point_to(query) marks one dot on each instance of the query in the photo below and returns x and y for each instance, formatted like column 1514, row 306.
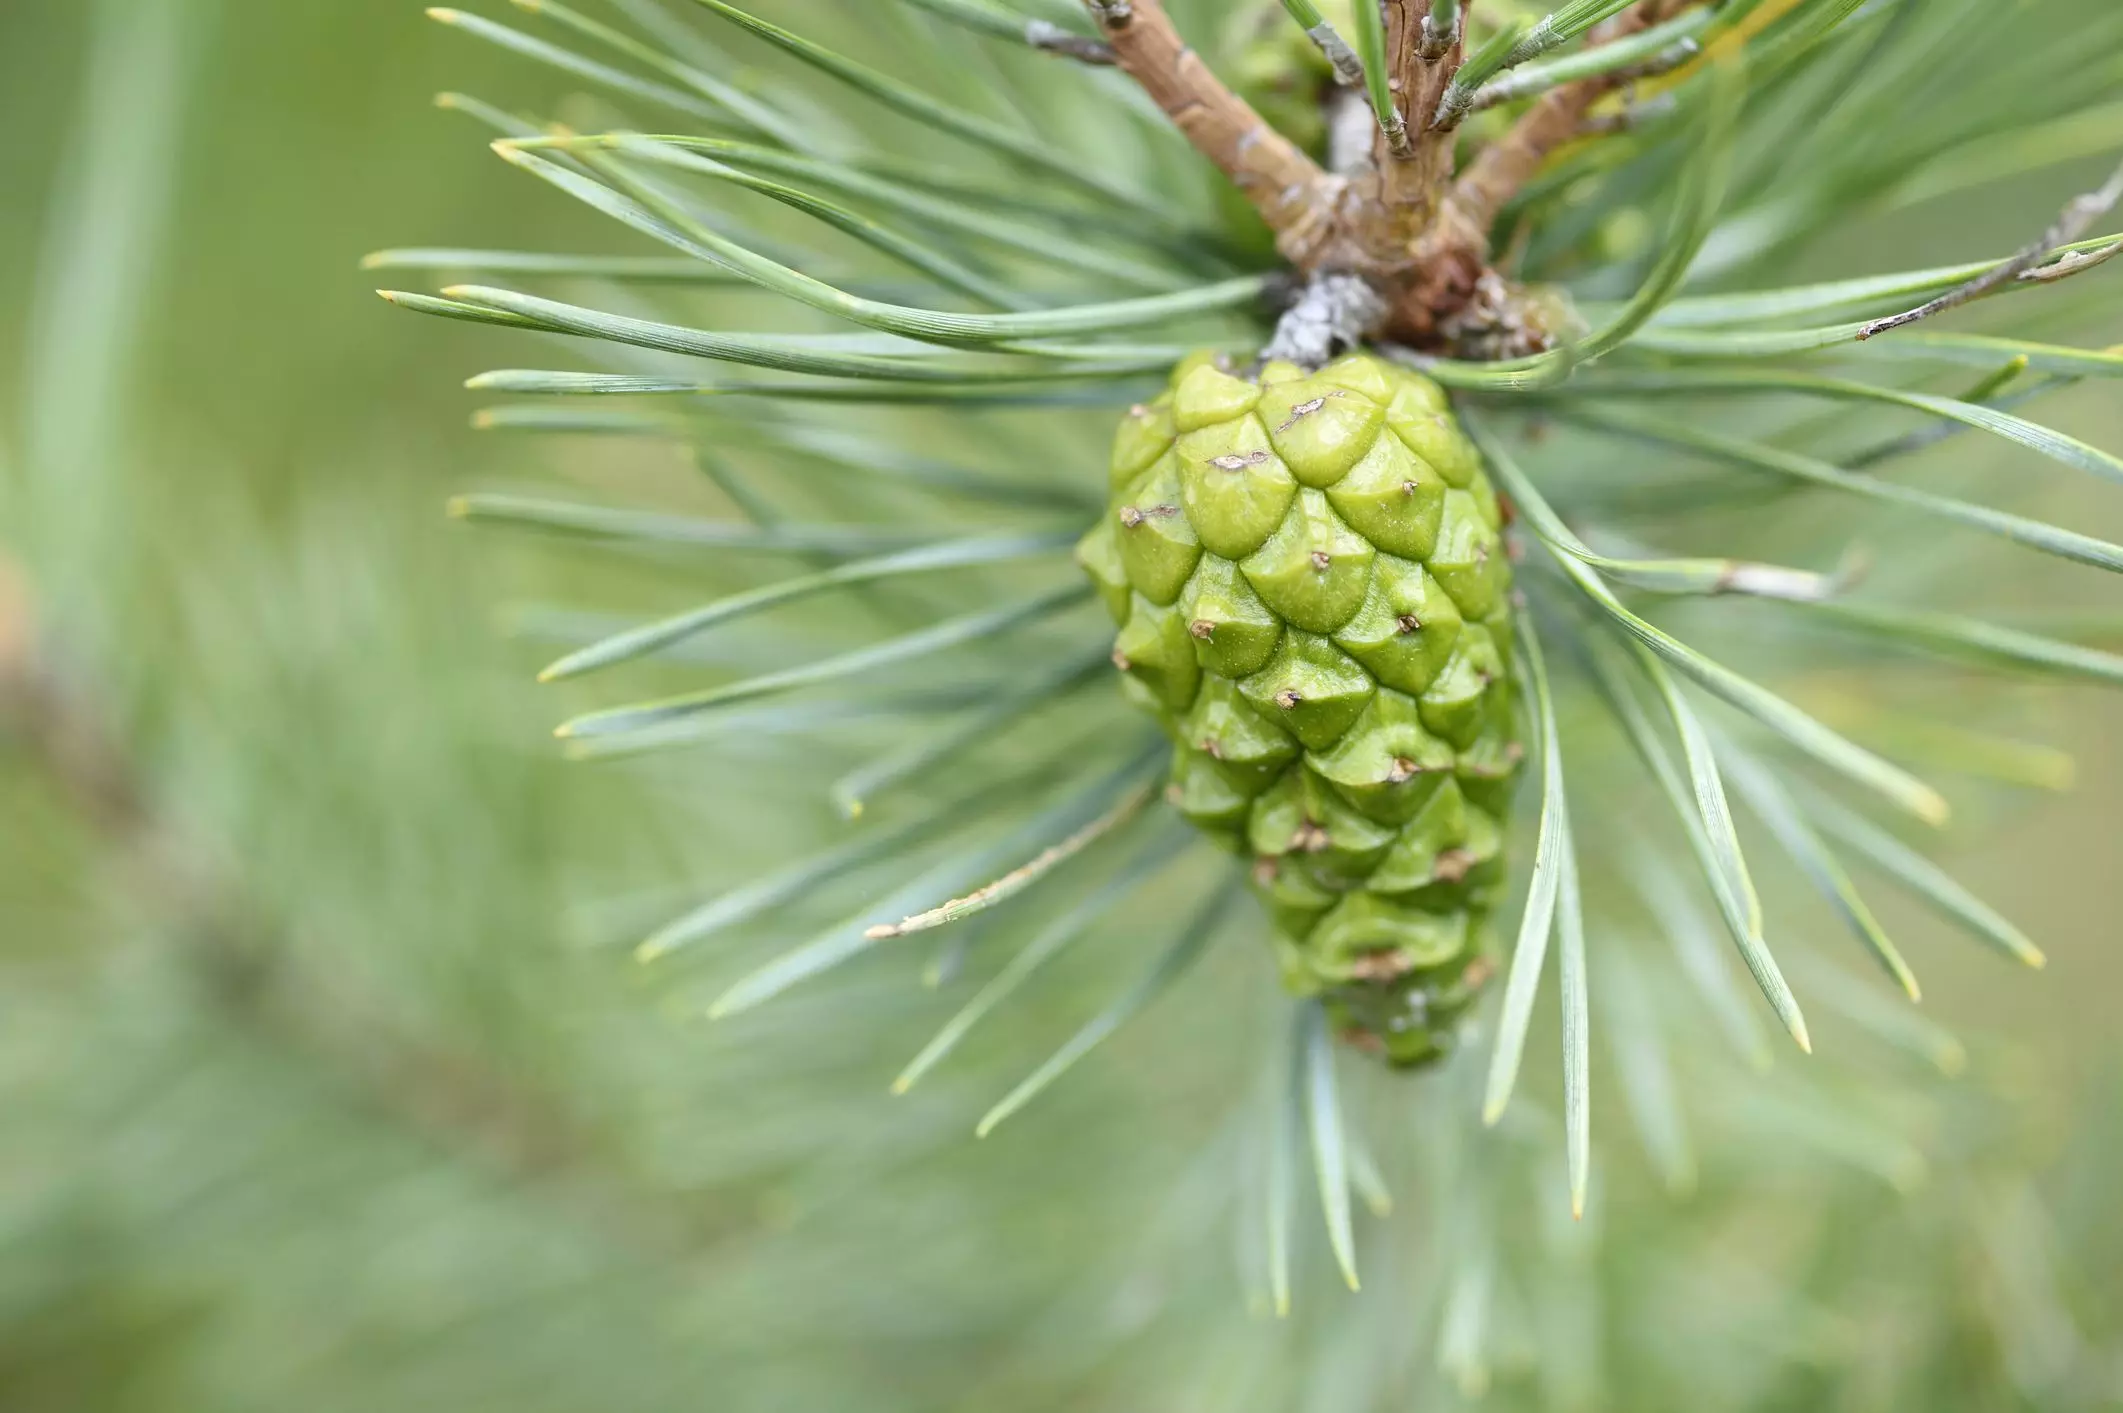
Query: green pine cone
column 1314, row 600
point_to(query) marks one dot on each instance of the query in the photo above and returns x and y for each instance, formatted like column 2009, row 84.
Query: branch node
column 1437, row 40
column 1397, row 141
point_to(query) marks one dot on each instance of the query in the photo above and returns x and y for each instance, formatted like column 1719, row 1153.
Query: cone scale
column 1309, row 580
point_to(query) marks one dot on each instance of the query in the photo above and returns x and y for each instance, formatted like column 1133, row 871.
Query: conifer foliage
column 973, row 236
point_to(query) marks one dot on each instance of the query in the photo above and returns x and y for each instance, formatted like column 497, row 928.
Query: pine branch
column 1293, row 194
column 1505, row 166
column 1382, row 66
column 445, row 1091
column 40, row 710
column 1423, row 63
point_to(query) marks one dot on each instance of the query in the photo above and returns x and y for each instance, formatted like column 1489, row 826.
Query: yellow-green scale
column 1309, row 577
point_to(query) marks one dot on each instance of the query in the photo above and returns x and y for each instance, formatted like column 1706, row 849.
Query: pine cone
column 1313, row 599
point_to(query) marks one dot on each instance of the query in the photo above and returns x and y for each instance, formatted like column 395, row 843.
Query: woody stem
column 1294, row 195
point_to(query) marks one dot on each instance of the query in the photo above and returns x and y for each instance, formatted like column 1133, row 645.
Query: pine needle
column 2079, row 214
column 1045, row 945
column 1177, row 958
column 1772, row 711
column 1323, row 1109
column 1577, row 1028
column 1776, row 810
column 1018, row 879
column 1537, row 922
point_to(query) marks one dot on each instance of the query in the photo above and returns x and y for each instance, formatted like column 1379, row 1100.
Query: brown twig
column 1505, row 166
column 1380, row 223
column 1398, row 221
column 228, row 941
column 1299, row 200
column 2080, row 213
column 38, row 712
column 1412, row 179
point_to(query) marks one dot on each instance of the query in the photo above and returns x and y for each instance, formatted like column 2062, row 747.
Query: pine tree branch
column 450, row 1094
column 1294, row 195
column 1506, row 165
column 38, row 711
column 1384, row 58
column 1412, row 181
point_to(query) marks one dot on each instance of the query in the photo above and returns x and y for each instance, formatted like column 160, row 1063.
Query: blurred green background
column 316, row 1088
